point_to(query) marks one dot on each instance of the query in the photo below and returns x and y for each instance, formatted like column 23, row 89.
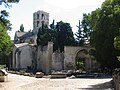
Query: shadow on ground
column 102, row 86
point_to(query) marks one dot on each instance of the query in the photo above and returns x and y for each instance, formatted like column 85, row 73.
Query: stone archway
column 81, row 59
column 77, row 56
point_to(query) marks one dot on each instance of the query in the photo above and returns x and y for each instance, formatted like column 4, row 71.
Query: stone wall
column 23, row 56
column 70, row 54
column 69, row 60
column 57, row 61
column 44, row 58
column 41, row 58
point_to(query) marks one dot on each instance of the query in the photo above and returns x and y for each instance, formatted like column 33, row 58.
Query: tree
column 63, row 36
column 85, row 24
column 5, row 22
column 117, row 44
column 84, row 30
column 4, row 14
column 105, row 23
column 21, row 28
column 52, row 26
column 8, row 1
column 79, row 35
column 5, row 45
column 44, row 35
column 5, row 42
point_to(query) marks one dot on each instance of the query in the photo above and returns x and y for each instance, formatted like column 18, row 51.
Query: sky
column 69, row 11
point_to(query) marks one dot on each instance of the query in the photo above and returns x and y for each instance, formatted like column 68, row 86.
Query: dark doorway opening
column 80, row 63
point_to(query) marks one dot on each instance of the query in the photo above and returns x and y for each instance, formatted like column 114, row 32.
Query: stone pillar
column 49, row 57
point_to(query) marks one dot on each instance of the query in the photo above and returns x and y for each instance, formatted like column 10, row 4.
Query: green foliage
column 4, row 14
column 21, row 28
column 117, row 42
column 5, row 45
column 44, row 35
column 105, row 23
column 63, row 35
column 5, row 42
column 84, row 30
column 80, row 63
column 86, row 27
column 118, row 58
column 2, row 66
column 79, row 35
column 3, row 19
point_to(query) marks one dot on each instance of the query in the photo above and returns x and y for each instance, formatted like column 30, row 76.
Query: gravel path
column 17, row 82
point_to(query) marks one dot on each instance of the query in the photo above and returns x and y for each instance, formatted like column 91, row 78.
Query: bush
column 2, row 66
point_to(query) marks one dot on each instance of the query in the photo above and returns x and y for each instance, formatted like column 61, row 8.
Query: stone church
column 39, row 17
column 26, row 55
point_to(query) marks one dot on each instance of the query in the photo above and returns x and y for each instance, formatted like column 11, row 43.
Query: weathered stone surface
column 58, row 75
column 32, row 75
column 116, row 79
column 38, row 18
column 72, row 53
column 23, row 56
column 39, row 74
column 72, row 77
column 57, row 61
column 70, row 73
column 3, row 76
column 26, row 74
column 44, row 58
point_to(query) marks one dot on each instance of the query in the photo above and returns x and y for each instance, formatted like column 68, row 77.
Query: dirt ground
column 18, row 82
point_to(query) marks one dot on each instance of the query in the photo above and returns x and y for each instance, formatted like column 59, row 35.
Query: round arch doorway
column 81, row 60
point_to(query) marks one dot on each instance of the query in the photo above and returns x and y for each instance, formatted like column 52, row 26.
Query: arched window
column 37, row 23
column 37, row 16
column 42, row 16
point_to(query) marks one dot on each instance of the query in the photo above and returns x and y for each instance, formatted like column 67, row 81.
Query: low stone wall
column 3, row 76
column 116, row 79
column 58, row 74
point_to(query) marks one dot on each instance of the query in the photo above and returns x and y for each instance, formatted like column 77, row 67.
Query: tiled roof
column 28, row 34
column 20, row 34
column 23, row 35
